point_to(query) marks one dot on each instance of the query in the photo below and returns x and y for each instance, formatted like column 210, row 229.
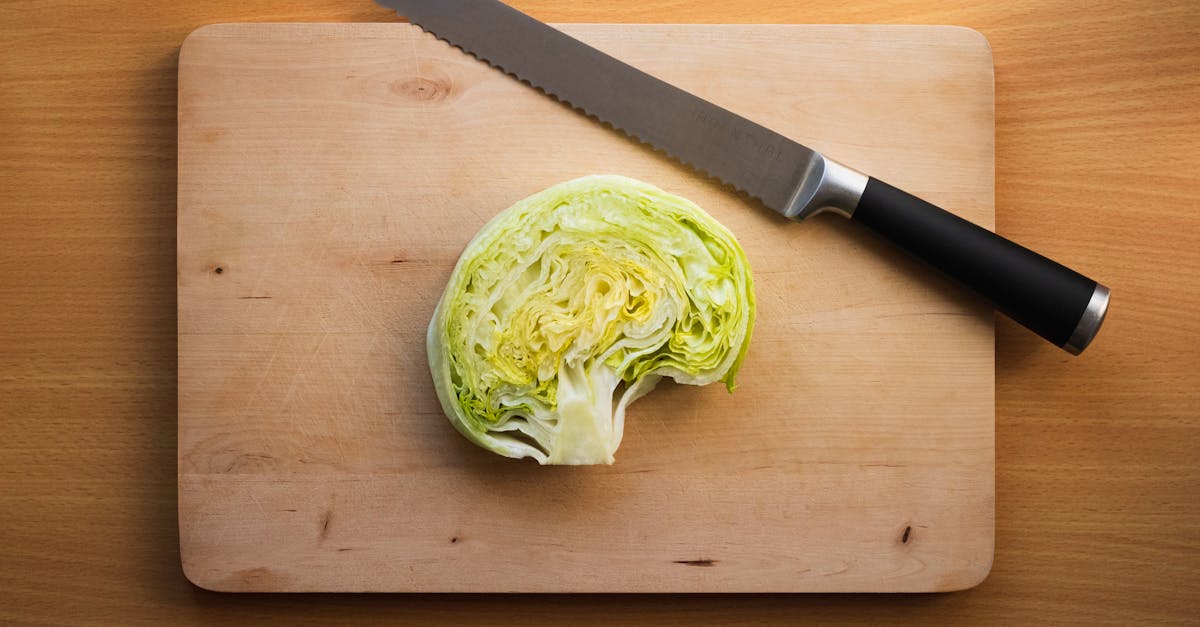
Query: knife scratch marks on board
column 198, row 522
column 323, row 316
column 342, row 457
column 632, row 426
column 262, row 510
column 415, row 114
column 266, row 374
column 300, row 369
column 275, row 247
column 358, row 371
column 364, row 260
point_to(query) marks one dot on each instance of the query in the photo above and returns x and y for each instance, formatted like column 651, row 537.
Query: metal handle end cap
column 1089, row 322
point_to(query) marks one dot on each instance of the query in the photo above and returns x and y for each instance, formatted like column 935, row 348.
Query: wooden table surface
column 1098, row 457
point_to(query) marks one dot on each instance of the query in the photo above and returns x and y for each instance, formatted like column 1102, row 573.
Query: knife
column 1059, row 304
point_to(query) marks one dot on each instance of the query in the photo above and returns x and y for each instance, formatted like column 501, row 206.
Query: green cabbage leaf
column 576, row 301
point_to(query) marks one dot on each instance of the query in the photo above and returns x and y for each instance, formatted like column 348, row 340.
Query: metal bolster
column 830, row 186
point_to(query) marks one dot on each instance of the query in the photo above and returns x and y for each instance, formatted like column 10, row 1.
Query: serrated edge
column 581, row 109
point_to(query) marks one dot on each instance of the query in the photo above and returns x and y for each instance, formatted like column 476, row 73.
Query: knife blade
column 1059, row 304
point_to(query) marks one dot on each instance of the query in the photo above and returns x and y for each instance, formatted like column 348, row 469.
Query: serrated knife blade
column 1052, row 300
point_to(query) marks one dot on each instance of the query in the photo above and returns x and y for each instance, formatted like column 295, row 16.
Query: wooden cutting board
column 329, row 176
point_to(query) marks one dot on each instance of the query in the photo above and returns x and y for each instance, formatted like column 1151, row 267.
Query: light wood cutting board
column 329, row 176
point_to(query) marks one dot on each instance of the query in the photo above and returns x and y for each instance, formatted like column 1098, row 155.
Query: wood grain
column 329, row 177
column 1097, row 457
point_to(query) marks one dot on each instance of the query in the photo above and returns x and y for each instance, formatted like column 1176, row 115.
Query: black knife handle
column 1050, row 299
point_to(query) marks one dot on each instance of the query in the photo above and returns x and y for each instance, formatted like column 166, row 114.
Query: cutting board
column 329, row 177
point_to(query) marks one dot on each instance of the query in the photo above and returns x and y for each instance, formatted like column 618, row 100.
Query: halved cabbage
column 571, row 294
